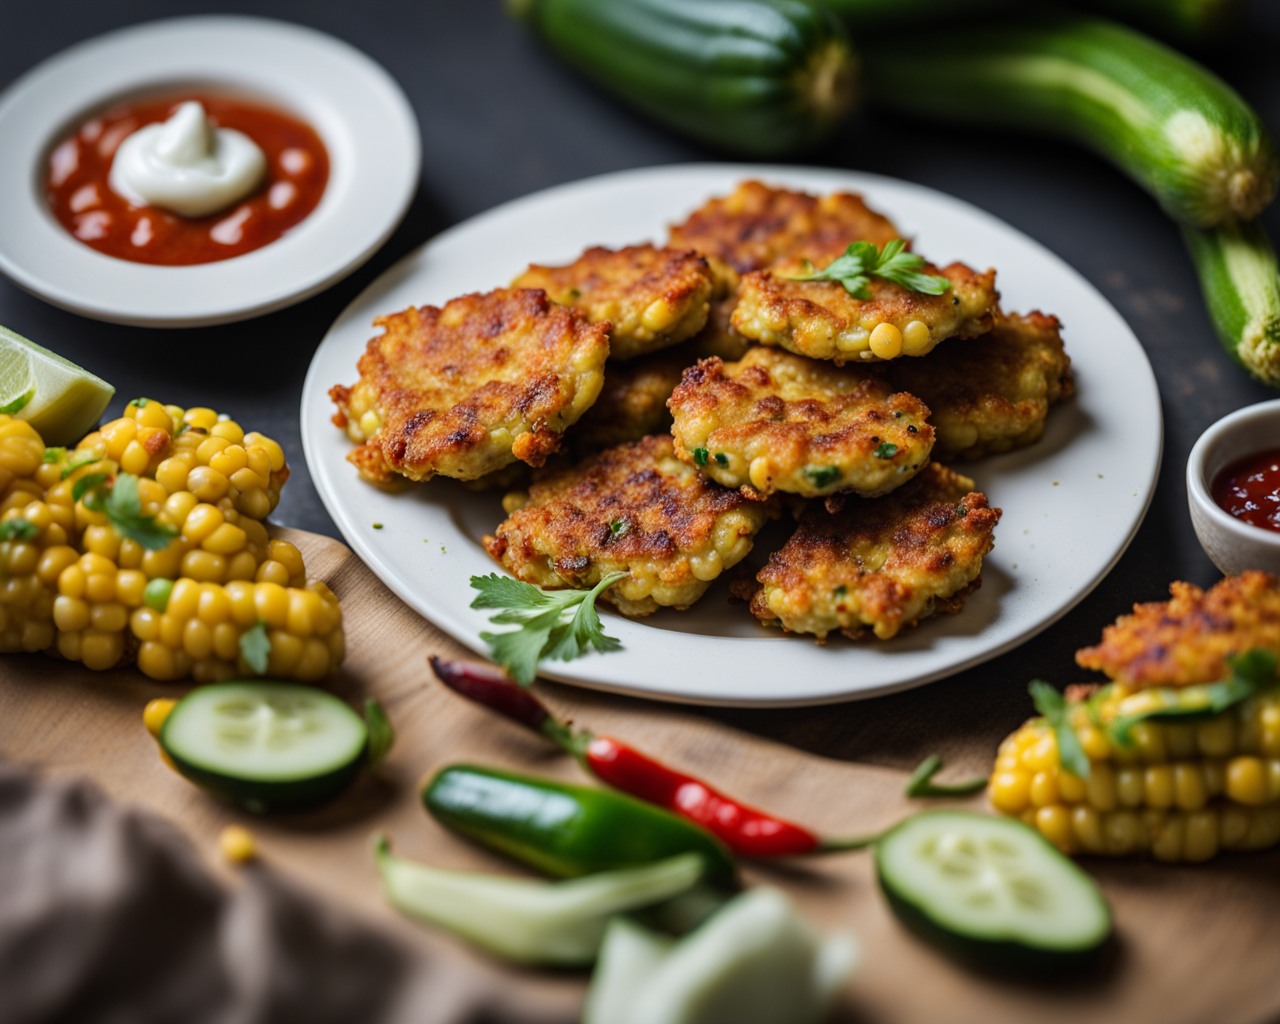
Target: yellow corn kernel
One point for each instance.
(171, 630)
(145, 624)
(100, 587)
(301, 620)
(246, 479)
(172, 473)
(1180, 741)
(886, 341)
(215, 605)
(1247, 781)
(287, 555)
(1149, 738)
(226, 641)
(117, 435)
(286, 652)
(313, 665)
(1042, 755)
(102, 540)
(1071, 787)
(1233, 827)
(72, 581)
(1188, 786)
(229, 460)
(208, 484)
(1216, 737)
(242, 566)
(1201, 842)
(156, 661)
(154, 714)
(101, 651)
(1008, 762)
(227, 539)
(184, 599)
(131, 553)
(237, 845)
(163, 564)
(200, 417)
(1123, 832)
(1129, 787)
(1167, 838)
(1043, 791)
(274, 451)
(22, 558)
(1010, 791)
(258, 461)
(1054, 824)
(179, 506)
(1159, 785)
(70, 614)
(197, 639)
(272, 571)
(53, 561)
(916, 338)
(1086, 825)
(152, 414)
(337, 643)
(243, 603)
(130, 584)
(211, 670)
(69, 645)
(201, 522)
(255, 503)
(110, 617)
(38, 514)
(1100, 787)
(135, 459)
(210, 447)
(272, 604)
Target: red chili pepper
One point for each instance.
(743, 829)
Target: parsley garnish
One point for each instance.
(1050, 703)
(862, 261)
(885, 450)
(54, 454)
(553, 624)
(722, 458)
(255, 647)
(140, 403)
(18, 529)
(822, 476)
(120, 503)
(841, 590)
(78, 459)
(618, 527)
(700, 456)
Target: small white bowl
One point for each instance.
(359, 111)
(1232, 544)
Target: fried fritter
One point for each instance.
(822, 320)
(879, 565)
(992, 394)
(632, 403)
(719, 338)
(1187, 640)
(779, 422)
(636, 508)
(755, 226)
(652, 297)
(466, 389)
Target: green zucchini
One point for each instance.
(1185, 21)
(757, 77)
(1241, 283)
(1175, 128)
(990, 891)
(270, 746)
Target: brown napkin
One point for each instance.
(106, 915)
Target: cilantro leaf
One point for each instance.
(700, 456)
(822, 476)
(885, 450)
(255, 647)
(1053, 706)
(18, 529)
(560, 624)
(77, 460)
(862, 261)
(123, 508)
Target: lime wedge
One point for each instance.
(62, 401)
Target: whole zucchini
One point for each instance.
(1175, 128)
(1241, 283)
(758, 77)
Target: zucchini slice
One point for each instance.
(1174, 127)
(990, 890)
(266, 745)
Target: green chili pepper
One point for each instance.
(565, 830)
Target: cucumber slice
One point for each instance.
(990, 890)
(265, 745)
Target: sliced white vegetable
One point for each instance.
(527, 920)
(755, 962)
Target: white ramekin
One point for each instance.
(1232, 544)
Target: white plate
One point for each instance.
(359, 111)
(1071, 503)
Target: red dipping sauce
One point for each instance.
(1249, 489)
(83, 203)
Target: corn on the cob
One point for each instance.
(1178, 790)
(73, 584)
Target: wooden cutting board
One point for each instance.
(1195, 943)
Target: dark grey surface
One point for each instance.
(500, 118)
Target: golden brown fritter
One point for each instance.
(652, 297)
(822, 320)
(632, 403)
(779, 422)
(991, 394)
(719, 338)
(879, 565)
(466, 389)
(635, 508)
(755, 226)
(1187, 640)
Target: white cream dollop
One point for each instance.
(186, 165)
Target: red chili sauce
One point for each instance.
(80, 198)
(1249, 489)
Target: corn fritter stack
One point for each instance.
(74, 584)
(1180, 791)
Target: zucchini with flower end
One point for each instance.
(1175, 128)
(268, 745)
(1241, 283)
(758, 77)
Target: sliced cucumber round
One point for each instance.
(266, 745)
(990, 890)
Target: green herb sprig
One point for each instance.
(921, 782)
(18, 529)
(554, 624)
(255, 647)
(119, 501)
(1053, 706)
(863, 261)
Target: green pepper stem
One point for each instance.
(921, 782)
